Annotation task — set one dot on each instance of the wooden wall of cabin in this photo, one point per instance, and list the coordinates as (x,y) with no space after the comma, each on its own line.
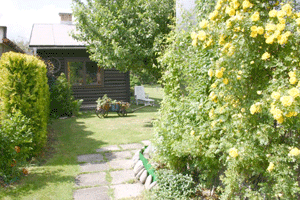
(116,84)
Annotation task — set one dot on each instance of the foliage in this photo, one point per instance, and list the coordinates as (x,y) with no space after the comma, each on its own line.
(101,102)
(125,34)
(24,89)
(173,185)
(134,80)
(62,100)
(16,139)
(230,111)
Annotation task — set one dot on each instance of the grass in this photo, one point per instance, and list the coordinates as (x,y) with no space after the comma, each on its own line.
(52,176)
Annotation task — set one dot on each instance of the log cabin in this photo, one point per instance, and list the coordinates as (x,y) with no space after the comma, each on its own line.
(53,43)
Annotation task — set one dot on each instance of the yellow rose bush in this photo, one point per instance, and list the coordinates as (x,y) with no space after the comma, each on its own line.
(240,95)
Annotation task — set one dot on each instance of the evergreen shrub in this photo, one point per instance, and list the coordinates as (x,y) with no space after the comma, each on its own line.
(232,96)
(24,90)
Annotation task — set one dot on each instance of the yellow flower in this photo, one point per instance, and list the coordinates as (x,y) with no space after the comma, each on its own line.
(253,109)
(280,120)
(240,72)
(281,20)
(214,85)
(280,27)
(228,24)
(246,4)
(230,11)
(219,73)
(222,40)
(255,16)
(192,133)
(291,114)
(210,72)
(288,9)
(276,34)
(201,35)
(213,15)
(277,113)
(204,23)
(253,34)
(281,14)
(209,42)
(286,100)
(293,80)
(211,114)
(212,96)
(275,95)
(194,35)
(218,6)
(294,92)
(243,110)
(265,56)
(294,152)
(194,43)
(270,27)
(292,74)
(273,13)
(238,77)
(270,167)
(233,152)
(260,30)
(252,62)
(225,81)
(298,21)
(259,92)
(236,4)
(270,39)
(223,69)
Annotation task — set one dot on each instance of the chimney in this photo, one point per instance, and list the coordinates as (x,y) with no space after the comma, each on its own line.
(3,30)
(65,18)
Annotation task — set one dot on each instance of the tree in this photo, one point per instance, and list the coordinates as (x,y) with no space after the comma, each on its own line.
(124,34)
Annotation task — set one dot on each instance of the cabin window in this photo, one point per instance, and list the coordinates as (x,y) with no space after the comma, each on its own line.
(85,73)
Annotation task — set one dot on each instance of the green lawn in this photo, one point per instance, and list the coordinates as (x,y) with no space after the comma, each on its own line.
(53,175)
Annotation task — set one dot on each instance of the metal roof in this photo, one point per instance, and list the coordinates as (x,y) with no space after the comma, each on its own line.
(53,35)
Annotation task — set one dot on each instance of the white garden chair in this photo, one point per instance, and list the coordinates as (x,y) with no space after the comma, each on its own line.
(141,97)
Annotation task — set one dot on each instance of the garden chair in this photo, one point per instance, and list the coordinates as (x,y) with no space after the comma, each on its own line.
(141,97)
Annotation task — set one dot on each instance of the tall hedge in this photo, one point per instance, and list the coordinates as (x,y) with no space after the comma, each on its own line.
(24,89)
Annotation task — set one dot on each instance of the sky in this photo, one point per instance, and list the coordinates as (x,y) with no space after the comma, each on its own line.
(19,15)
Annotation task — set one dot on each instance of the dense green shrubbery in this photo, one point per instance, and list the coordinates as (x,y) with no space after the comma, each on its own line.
(15,145)
(24,111)
(62,100)
(230,111)
(24,89)
(173,186)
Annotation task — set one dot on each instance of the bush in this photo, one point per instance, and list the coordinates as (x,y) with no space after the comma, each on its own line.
(173,185)
(16,138)
(62,100)
(24,89)
(230,111)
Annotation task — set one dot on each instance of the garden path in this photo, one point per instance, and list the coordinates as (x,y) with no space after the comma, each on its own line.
(108,173)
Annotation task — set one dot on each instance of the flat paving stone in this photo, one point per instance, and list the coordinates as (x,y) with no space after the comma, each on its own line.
(119,177)
(90,158)
(108,148)
(118,155)
(146,142)
(120,164)
(92,179)
(96,193)
(131,146)
(127,190)
(94,167)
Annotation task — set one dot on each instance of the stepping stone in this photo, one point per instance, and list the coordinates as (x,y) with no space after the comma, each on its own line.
(90,158)
(132,146)
(146,142)
(109,148)
(94,167)
(118,155)
(127,190)
(92,179)
(119,177)
(120,164)
(96,193)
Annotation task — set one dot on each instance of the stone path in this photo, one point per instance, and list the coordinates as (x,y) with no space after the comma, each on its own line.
(108,173)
